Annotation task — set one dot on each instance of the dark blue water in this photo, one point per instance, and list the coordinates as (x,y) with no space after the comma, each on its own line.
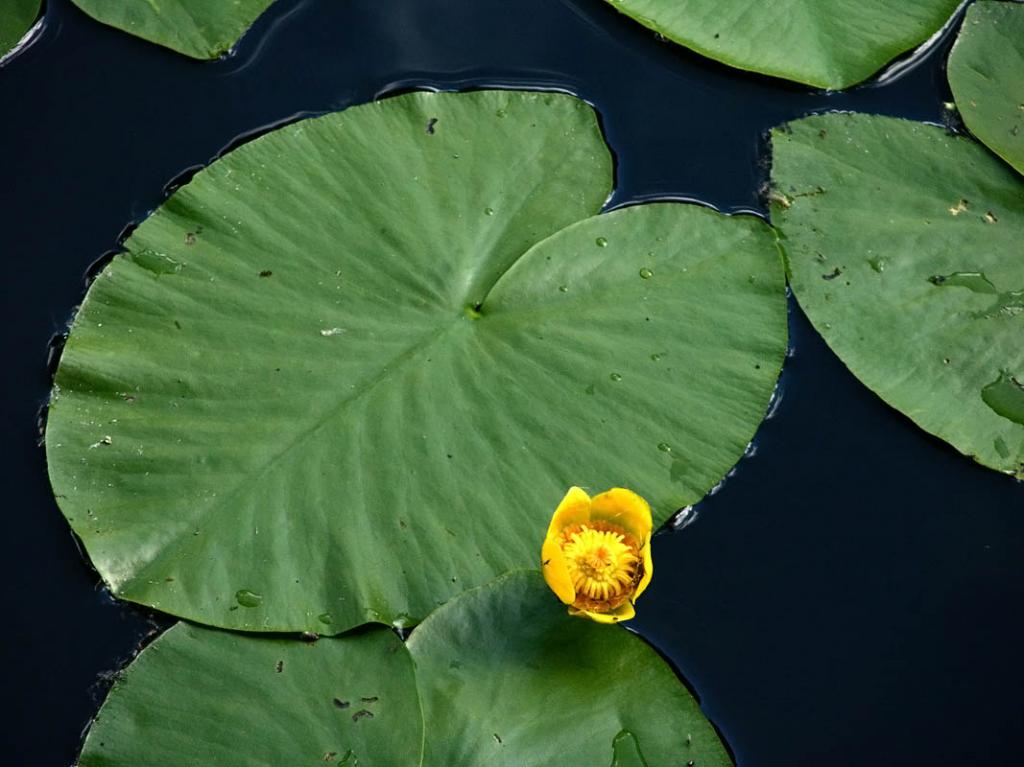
(853,594)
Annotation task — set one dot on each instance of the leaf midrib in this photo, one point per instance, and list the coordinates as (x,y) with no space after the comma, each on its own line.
(386,372)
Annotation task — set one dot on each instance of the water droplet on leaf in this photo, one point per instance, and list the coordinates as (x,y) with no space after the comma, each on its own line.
(247,598)
(626,751)
(157,263)
(973,281)
(1005,396)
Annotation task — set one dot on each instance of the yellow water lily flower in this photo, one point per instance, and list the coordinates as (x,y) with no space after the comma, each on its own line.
(597,553)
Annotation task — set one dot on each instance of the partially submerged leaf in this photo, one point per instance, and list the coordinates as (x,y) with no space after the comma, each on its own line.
(986,73)
(16,18)
(331,382)
(904,246)
(202,29)
(499,676)
(827,43)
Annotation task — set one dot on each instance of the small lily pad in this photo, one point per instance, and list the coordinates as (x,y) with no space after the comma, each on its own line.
(351,368)
(986,73)
(826,43)
(904,248)
(202,29)
(499,676)
(16,19)
(507,678)
(203,697)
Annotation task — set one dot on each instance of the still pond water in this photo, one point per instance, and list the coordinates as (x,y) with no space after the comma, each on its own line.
(852,594)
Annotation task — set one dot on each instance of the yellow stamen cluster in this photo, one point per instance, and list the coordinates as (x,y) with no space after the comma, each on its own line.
(604,564)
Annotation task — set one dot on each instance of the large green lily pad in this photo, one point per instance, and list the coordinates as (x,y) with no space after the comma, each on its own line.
(501,675)
(986,73)
(827,43)
(16,18)
(347,372)
(202,29)
(904,247)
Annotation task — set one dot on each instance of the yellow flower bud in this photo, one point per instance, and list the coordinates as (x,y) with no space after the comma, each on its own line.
(596,556)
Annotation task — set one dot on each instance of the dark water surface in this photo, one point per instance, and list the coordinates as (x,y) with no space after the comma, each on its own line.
(852,596)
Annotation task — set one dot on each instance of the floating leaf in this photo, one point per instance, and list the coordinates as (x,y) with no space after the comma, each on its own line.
(986,73)
(507,678)
(904,245)
(203,697)
(202,29)
(826,43)
(16,18)
(501,674)
(331,382)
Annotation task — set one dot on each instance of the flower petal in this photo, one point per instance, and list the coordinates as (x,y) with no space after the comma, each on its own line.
(645,557)
(623,612)
(573,509)
(624,508)
(556,573)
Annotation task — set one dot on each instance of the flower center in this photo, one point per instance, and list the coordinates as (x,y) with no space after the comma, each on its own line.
(604,564)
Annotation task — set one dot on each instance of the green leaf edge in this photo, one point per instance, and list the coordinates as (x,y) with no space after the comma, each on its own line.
(13,38)
(210,52)
(956,83)
(837,83)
